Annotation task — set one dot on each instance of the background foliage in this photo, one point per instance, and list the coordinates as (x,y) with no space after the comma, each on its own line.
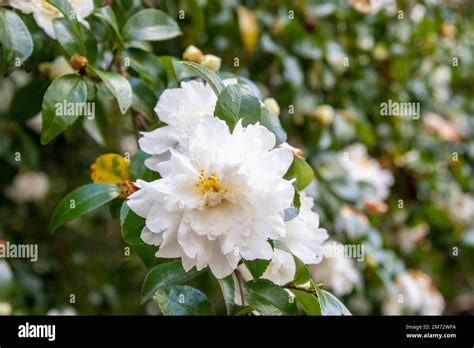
(293,51)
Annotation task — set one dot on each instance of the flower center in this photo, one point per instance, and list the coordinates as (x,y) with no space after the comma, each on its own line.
(209,184)
(212,190)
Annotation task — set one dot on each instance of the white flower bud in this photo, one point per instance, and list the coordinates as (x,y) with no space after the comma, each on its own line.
(211,62)
(324,114)
(193,54)
(272,105)
(5,308)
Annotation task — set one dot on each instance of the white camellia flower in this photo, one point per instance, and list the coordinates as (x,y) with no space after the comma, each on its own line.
(29,186)
(220,199)
(303,238)
(180,108)
(360,168)
(44,13)
(338,273)
(414,293)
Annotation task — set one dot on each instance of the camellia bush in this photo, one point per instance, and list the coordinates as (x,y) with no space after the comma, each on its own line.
(239,158)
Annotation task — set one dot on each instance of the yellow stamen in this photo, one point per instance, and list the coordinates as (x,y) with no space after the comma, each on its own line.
(209,184)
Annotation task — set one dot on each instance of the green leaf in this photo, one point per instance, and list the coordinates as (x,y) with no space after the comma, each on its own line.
(144,100)
(303,275)
(233,105)
(302,171)
(69,14)
(150,25)
(256,267)
(16,41)
(330,305)
(66,91)
(132,227)
(80,201)
(66,36)
(269,299)
(272,123)
(308,301)
(183,300)
(148,66)
(119,87)
(124,209)
(227,285)
(146,253)
(107,15)
(293,211)
(211,78)
(164,275)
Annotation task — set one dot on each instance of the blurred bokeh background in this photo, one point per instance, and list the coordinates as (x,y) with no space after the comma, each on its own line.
(329,65)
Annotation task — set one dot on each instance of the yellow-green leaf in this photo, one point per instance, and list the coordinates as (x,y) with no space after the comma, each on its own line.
(110,169)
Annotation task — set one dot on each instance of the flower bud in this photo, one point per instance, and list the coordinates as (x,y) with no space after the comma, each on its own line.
(211,62)
(324,114)
(78,62)
(272,105)
(193,54)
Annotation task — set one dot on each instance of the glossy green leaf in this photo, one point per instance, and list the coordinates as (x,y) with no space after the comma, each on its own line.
(150,25)
(164,275)
(211,78)
(60,104)
(228,285)
(16,41)
(234,105)
(256,267)
(107,15)
(119,87)
(132,228)
(303,275)
(70,15)
(272,123)
(330,304)
(269,299)
(308,302)
(302,171)
(183,300)
(80,201)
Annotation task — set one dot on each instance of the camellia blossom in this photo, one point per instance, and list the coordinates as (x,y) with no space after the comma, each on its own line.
(220,198)
(338,273)
(28,186)
(180,108)
(414,293)
(44,13)
(360,168)
(303,238)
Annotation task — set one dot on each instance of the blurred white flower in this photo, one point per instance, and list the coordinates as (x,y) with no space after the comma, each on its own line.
(417,13)
(35,123)
(445,129)
(57,68)
(5,308)
(28,186)
(459,205)
(338,273)
(414,293)
(373,6)
(360,168)
(44,13)
(304,238)
(66,311)
(409,236)
(219,200)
